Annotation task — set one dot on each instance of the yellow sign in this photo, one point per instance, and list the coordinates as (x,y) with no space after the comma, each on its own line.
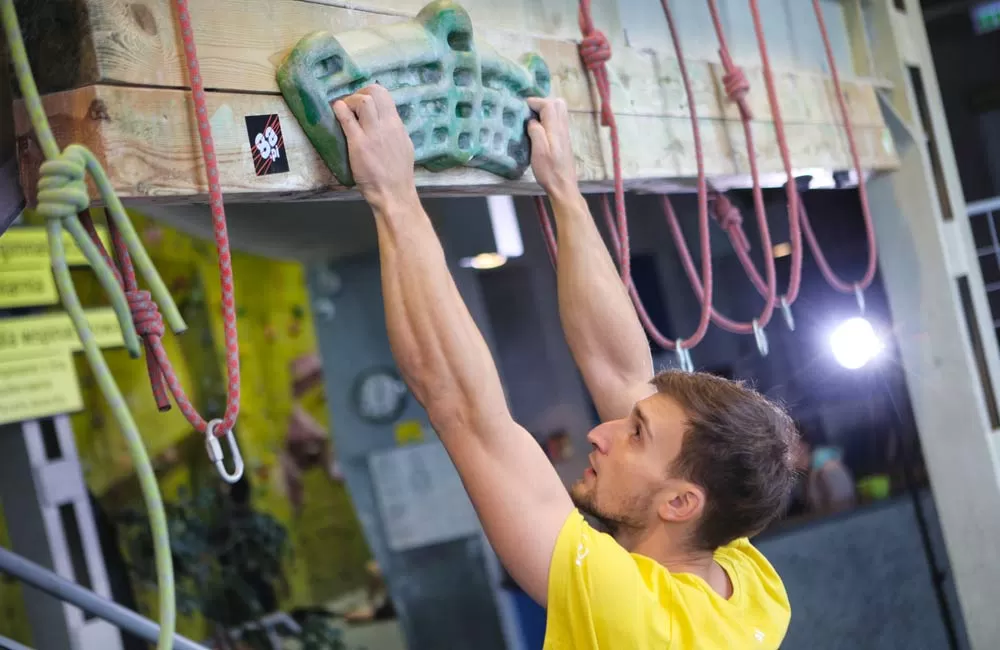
(34,335)
(27,287)
(38,387)
(408,432)
(28,247)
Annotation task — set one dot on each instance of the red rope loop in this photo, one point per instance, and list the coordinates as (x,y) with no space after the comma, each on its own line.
(595,52)
(829,274)
(730,220)
(145,314)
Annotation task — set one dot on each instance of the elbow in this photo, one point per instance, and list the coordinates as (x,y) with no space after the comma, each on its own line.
(458,412)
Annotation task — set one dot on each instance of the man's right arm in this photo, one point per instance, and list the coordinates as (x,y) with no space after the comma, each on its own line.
(601,326)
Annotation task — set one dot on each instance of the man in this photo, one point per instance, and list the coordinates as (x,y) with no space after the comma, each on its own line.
(684,468)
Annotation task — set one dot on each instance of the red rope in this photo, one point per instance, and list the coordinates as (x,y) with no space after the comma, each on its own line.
(828,273)
(640,309)
(794,229)
(824,266)
(736,86)
(595,50)
(145,313)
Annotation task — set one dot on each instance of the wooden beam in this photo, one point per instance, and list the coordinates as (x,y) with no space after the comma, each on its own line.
(129,104)
(857,33)
(242,42)
(150,148)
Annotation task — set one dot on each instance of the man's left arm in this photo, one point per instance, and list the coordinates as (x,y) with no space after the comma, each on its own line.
(443,357)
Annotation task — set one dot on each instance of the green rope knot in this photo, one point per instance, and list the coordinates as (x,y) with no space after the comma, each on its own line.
(62,188)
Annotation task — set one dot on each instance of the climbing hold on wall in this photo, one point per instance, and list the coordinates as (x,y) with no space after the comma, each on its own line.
(462,102)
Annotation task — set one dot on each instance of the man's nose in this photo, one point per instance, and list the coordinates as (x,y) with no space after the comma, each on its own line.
(602,436)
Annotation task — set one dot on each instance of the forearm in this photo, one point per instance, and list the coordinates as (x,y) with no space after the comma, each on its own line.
(437,345)
(601,326)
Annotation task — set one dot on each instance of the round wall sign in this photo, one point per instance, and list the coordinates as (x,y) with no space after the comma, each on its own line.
(379,395)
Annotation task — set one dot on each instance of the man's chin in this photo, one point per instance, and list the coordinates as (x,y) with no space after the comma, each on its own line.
(580,495)
(583,500)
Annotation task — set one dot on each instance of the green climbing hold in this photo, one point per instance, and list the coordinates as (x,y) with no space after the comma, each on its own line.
(463,103)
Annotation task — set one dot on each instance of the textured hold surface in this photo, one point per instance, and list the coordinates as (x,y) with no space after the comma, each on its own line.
(462,102)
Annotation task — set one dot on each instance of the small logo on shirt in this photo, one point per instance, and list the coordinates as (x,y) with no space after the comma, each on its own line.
(581,550)
(759,636)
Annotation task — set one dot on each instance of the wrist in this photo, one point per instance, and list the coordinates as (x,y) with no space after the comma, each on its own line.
(565,196)
(393,200)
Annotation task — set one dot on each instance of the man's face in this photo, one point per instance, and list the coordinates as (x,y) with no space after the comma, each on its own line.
(630,465)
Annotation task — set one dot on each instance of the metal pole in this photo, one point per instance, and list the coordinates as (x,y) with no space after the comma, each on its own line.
(112,612)
(10,644)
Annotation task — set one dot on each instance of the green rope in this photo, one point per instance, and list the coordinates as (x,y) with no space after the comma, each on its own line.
(62,195)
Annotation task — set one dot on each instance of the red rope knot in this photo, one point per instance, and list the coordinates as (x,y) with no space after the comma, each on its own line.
(145,314)
(730,219)
(595,50)
(735,83)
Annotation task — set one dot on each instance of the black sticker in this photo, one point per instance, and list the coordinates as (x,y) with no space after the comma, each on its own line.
(266,144)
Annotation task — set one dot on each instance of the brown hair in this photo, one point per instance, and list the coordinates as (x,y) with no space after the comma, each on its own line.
(738,447)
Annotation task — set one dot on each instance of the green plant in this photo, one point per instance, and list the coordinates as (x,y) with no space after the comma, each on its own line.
(319,634)
(227,557)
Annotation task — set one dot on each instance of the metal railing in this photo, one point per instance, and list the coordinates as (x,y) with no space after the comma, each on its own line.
(47,581)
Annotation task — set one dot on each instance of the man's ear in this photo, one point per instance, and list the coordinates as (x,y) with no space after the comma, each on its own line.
(681,501)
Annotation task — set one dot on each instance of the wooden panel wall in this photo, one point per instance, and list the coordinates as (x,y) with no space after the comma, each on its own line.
(124,93)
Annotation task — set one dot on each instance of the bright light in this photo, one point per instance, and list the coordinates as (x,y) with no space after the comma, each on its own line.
(483,261)
(784,249)
(855,343)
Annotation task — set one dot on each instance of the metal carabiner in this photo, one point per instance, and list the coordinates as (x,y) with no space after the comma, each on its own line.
(859,294)
(761,338)
(215,454)
(786,311)
(684,357)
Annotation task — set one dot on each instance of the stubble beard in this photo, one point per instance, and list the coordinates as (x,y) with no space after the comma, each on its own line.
(586,502)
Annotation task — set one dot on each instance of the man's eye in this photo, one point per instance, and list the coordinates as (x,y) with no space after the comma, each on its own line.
(637,433)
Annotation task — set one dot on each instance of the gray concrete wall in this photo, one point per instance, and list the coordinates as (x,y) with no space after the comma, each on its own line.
(447,594)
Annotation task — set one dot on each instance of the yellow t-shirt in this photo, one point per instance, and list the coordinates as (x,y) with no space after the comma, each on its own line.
(601,596)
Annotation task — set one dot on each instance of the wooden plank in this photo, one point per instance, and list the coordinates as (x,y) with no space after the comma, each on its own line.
(861,51)
(888,52)
(150,148)
(241,43)
(908,50)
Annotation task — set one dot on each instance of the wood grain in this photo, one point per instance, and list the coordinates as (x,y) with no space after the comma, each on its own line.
(242,42)
(150,148)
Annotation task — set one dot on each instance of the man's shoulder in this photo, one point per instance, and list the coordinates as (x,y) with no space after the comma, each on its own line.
(745,557)
(754,575)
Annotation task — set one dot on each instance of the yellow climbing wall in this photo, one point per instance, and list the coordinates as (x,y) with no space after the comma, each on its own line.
(328,551)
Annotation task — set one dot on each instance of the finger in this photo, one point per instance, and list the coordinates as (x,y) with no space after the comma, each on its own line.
(348,120)
(539,140)
(364,107)
(560,107)
(535,103)
(383,99)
